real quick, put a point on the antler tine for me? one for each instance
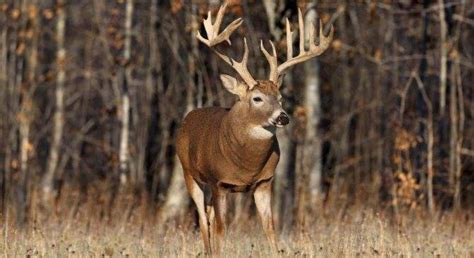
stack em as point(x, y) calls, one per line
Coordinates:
point(245, 58)
point(289, 40)
point(212, 30)
point(214, 38)
point(220, 16)
point(324, 41)
point(314, 50)
point(304, 55)
point(272, 60)
point(301, 27)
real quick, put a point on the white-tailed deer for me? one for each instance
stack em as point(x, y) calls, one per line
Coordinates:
point(236, 150)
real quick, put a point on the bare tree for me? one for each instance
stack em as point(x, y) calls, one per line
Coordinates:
point(27, 64)
point(58, 120)
point(429, 146)
point(126, 74)
point(5, 162)
point(460, 140)
point(312, 161)
point(457, 114)
point(443, 55)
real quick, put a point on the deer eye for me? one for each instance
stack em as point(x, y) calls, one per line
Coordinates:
point(257, 99)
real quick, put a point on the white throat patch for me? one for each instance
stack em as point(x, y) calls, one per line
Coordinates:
point(258, 132)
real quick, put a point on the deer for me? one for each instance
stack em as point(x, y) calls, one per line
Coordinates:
point(227, 150)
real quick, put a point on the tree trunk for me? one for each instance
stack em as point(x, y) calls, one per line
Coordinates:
point(421, 104)
point(342, 108)
point(5, 160)
point(429, 145)
point(312, 103)
point(177, 197)
point(453, 133)
point(27, 64)
point(58, 120)
point(13, 108)
point(124, 155)
point(273, 16)
point(444, 56)
point(429, 160)
point(456, 92)
point(457, 129)
point(153, 69)
point(281, 189)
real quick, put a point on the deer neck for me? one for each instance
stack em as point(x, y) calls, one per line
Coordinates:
point(248, 145)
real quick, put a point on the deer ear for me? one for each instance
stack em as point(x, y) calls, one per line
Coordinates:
point(233, 85)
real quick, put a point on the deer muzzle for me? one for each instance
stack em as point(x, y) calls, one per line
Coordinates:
point(282, 119)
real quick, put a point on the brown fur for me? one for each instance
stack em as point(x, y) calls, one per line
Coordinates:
point(214, 150)
point(267, 88)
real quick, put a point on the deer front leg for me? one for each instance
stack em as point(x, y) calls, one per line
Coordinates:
point(197, 194)
point(219, 203)
point(263, 197)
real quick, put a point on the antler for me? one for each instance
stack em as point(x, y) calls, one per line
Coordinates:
point(314, 50)
point(214, 38)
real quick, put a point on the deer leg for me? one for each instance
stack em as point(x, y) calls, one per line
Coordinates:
point(262, 196)
point(219, 204)
point(209, 207)
point(210, 214)
point(197, 194)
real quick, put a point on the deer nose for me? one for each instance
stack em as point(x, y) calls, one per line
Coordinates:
point(283, 119)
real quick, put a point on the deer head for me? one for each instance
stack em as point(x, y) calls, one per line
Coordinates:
point(261, 98)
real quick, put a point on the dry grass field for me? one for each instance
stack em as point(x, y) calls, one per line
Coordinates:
point(355, 232)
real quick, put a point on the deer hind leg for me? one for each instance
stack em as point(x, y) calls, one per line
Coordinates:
point(262, 196)
point(197, 194)
point(211, 215)
point(218, 223)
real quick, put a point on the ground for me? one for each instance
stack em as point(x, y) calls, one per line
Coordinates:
point(357, 233)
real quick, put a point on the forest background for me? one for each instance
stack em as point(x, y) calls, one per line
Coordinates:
point(92, 92)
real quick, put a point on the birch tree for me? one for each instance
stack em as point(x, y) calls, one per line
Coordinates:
point(124, 155)
point(443, 56)
point(58, 119)
point(312, 103)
